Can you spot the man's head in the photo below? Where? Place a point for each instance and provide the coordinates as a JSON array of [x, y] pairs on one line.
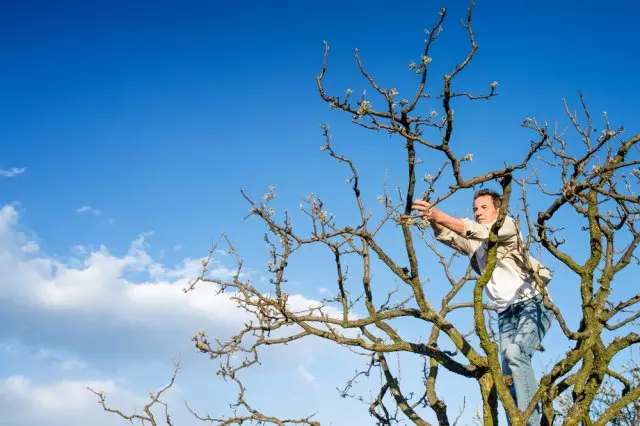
[[486, 204]]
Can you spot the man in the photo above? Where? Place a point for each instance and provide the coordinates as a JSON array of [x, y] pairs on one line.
[[522, 318]]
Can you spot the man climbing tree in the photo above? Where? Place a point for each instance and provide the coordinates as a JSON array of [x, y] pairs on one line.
[[523, 320]]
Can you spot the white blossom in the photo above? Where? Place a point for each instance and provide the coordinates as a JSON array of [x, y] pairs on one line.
[[365, 107], [271, 194]]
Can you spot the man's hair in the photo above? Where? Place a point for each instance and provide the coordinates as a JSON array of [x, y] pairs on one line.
[[495, 197]]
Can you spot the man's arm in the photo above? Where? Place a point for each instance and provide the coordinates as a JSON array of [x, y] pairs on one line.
[[438, 218], [466, 228], [447, 229], [480, 232]]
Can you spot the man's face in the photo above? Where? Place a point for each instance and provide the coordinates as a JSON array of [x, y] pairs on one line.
[[483, 209]]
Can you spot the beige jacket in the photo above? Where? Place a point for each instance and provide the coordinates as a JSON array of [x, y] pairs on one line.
[[510, 247]]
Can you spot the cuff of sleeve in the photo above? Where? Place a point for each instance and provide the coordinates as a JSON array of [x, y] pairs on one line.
[[468, 227], [444, 234]]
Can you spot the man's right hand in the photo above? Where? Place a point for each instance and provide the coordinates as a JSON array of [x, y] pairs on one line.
[[426, 210], [437, 218]]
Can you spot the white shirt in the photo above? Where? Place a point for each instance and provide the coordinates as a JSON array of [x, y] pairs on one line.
[[506, 286], [510, 282]]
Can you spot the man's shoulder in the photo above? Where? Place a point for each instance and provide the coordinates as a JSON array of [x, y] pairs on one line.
[[509, 222], [506, 219]]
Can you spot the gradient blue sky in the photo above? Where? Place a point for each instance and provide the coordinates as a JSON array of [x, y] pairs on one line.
[[152, 116]]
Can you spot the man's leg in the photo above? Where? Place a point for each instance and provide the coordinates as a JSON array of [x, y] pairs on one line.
[[533, 322], [507, 326]]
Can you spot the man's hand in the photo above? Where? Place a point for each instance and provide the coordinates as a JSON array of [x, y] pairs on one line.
[[427, 211], [437, 218]]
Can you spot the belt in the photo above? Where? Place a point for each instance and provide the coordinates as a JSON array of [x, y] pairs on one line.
[[516, 307]]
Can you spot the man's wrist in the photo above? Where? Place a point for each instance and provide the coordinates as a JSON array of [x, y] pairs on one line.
[[437, 228], [452, 223]]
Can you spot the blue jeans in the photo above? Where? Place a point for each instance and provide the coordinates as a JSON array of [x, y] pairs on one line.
[[522, 327]]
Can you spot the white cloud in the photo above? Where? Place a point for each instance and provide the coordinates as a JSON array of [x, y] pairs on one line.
[[73, 364], [305, 374], [8, 347], [88, 209], [64, 403], [54, 360], [79, 250], [299, 303], [30, 247], [73, 301], [100, 311], [93, 306], [12, 172], [60, 360]]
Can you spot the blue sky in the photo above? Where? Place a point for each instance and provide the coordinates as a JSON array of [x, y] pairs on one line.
[[133, 125]]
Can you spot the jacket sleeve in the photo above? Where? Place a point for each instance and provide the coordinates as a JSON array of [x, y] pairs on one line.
[[480, 232], [545, 273], [457, 242]]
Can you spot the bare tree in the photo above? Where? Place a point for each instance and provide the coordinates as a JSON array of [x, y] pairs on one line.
[[616, 384], [586, 174], [148, 416]]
